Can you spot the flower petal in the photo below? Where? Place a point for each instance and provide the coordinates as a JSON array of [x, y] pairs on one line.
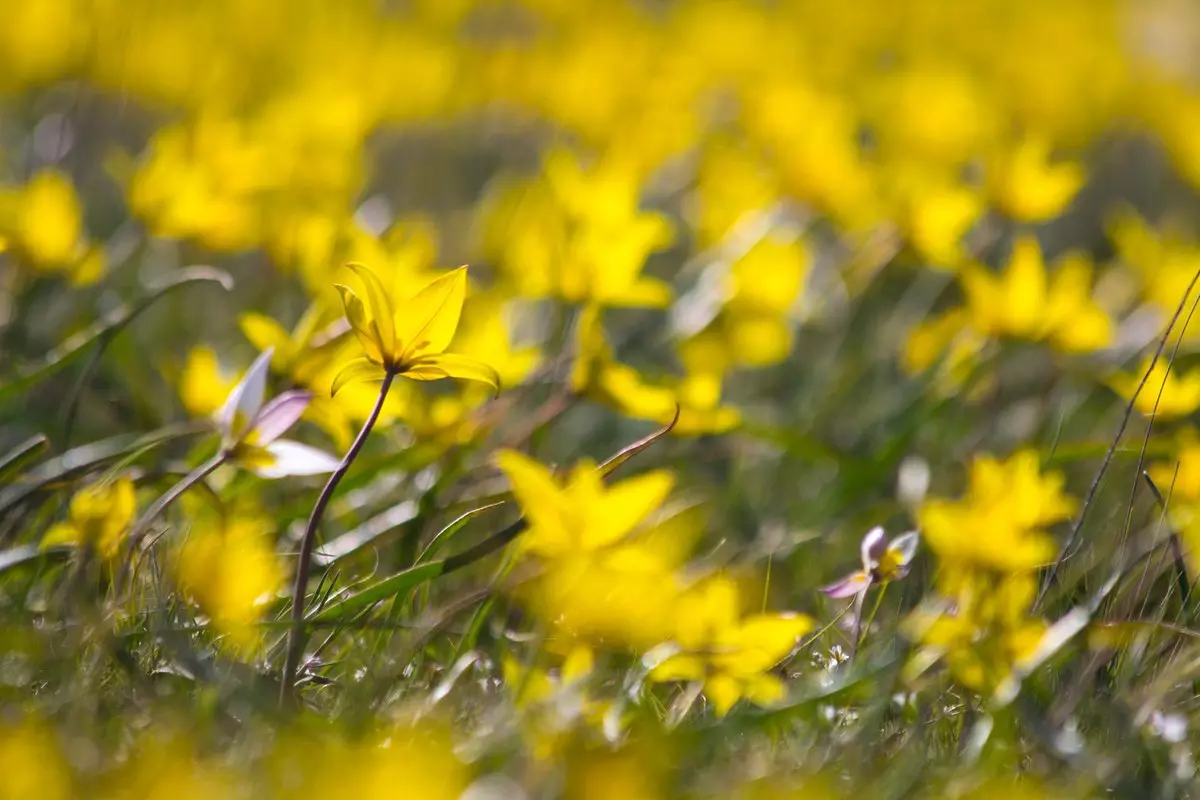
[[682, 667], [357, 369], [293, 458], [263, 331], [538, 494], [874, 545], [848, 586], [379, 307], [623, 507], [361, 323], [280, 414], [426, 323], [244, 402], [723, 691], [904, 547], [452, 365]]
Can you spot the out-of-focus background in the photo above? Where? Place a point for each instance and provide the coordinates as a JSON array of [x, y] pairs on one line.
[[868, 255]]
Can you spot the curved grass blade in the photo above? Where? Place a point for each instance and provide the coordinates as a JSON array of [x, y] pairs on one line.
[[28, 554], [453, 527], [22, 453], [393, 586], [87, 457], [109, 327]]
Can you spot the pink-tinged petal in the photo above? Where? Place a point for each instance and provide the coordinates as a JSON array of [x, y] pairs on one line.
[[874, 545], [244, 402], [848, 586], [293, 458], [904, 547], [280, 414]]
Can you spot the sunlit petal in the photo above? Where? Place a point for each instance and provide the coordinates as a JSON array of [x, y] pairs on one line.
[[874, 545], [451, 365], [425, 323], [358, 369], [904, 547], [244, 402], [280, 414], [293, 458], [624, 506], [379, 308], [848, 586], [362, 325]]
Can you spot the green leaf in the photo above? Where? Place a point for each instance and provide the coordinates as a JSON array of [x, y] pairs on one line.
[[445, 533], [22, 453], [394, 586], [88, 457], [108, 327], [29, 553]]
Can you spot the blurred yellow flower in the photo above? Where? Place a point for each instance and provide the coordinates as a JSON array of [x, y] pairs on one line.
[[1026, 185], [42, 224], [168, 765], [729, 654], [1167, 392], [228, 566], [937, 218], [998, 524], [580, 514], [203, 387], [987, 633], [577, 234], [1164, 261], [32, 762], [597, 374], [408, 337], [1023, 302], [1179, 478], [99, 517], [328, 763]]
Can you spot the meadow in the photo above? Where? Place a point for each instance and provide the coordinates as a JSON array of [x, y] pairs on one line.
[[599, 399]]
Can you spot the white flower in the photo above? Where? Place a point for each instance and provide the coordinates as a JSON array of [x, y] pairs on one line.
[[250, 429]]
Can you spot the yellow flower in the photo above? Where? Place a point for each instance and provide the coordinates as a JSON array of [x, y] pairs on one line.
[[230, 569], [1167, 394], [32, 763], [202, 386], [580, 514], [43, 224], [1027, 186], [986, 634], [1022, 302], [301, 354], [577, 234], [937, 218], [99, 517], [622, 596], [948, 342], [1179, 478], [729, 654], [998, 523], [597, 374], [554, 701], [1165, 261], [420, 758], [408, 337]]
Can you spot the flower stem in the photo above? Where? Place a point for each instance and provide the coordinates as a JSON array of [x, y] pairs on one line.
[[864, 626], [295, 638], [174, 493]]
